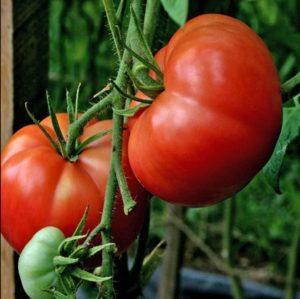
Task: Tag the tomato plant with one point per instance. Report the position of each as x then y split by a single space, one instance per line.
216 123
35 264
39 188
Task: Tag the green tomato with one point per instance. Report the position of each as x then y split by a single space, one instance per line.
36 266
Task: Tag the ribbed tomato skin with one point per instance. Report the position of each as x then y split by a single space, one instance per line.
39 188
216 123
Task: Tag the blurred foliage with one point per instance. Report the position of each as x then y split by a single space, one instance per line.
81 51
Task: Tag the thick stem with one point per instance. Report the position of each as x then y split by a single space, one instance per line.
150 20
113 22
293 263
76 128
107 289
118 103
129 203
236 286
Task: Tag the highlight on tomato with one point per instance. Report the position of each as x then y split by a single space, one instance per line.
40 188
216 123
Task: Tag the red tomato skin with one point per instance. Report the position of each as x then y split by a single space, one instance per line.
216 123
39 188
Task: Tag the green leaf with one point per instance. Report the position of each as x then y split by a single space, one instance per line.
290 130
64 261
77 101
70 108
57 294
151 262
97 249
177 10
45 132
84 275
128 112
63 247
79 229
91 139
54 120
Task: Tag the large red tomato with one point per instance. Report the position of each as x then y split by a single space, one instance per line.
217 121
39 188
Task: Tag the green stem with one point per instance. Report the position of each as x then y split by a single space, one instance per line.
113 22
76 128
289 85
292 264
129 203
107 290
129 96
118 103
236 286
150 20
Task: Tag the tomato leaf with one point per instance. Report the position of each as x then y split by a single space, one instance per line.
57 294
76 101
97 249
130 111
63 261
290 130
177 10
79 229
91 139
151 262
54 120
45 132
70 107
84 275
64 247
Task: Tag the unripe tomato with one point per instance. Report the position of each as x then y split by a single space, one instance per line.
39 188
216 123
35 264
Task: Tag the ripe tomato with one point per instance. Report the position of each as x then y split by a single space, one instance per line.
39 188
217 121
36 268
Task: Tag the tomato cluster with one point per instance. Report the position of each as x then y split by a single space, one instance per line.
202 140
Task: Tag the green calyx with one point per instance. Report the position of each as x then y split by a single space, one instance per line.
51 266
60 142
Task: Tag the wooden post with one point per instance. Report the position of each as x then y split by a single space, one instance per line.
7 265
24 70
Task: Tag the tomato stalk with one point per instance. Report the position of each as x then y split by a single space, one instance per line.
112 19
118 103
150 19
76 128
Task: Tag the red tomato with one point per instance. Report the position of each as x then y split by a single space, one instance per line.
39 188
216 123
